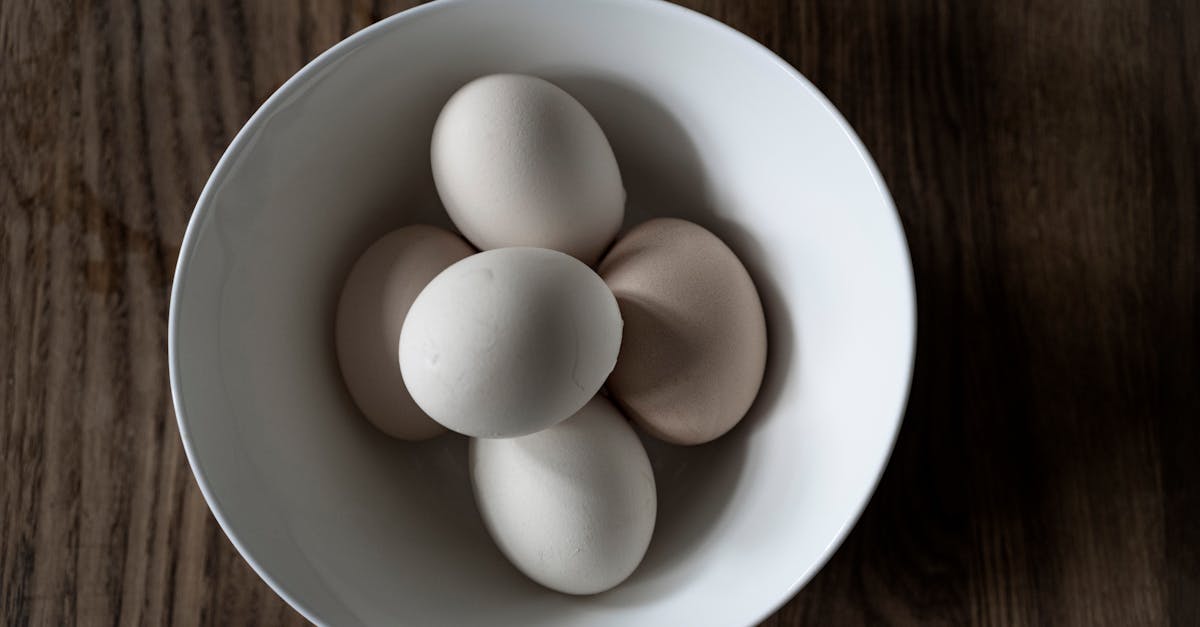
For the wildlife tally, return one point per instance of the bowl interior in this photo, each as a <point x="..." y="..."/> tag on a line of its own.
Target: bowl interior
<point x="354" y="528"/>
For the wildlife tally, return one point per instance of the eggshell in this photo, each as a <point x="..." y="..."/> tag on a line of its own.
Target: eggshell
<point x="519" y="162"/>
<point x="509" y="341"/>
<point x="375" y="299"/>
<point x="695" y="340"/>
<point x="573" y="506"/>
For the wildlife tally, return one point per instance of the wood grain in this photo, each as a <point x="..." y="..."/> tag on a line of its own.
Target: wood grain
<point x="1044" y="158"/>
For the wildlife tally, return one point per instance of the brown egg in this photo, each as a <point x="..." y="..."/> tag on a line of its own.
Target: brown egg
<point x="375" y="299"/>
<point x="695" y="341"/>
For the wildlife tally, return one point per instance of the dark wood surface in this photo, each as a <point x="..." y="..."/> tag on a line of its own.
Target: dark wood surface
<point x="1044" y="157"/>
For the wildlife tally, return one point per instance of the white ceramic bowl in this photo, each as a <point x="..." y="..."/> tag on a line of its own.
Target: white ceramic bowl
<point x="355" y="529"/>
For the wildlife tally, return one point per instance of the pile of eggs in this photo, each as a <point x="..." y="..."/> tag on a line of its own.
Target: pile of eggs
<point x="510" y="337"/>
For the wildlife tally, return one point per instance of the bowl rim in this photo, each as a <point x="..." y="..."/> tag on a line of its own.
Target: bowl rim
<point x="297" y="81"/>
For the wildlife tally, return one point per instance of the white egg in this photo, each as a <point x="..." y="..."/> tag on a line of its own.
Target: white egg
<point x="572" y="507"/>
<point x="519" y="162"/>
<point x="509" y="341"/>
<point x="375" y="299"/>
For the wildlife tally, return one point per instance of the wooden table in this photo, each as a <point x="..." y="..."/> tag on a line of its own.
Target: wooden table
<point x="1044" y="158"/>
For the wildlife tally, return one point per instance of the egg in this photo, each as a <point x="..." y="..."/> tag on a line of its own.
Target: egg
<point x="695" y="340"/>
<point x="519" y="162"/>
<point x="375" y="299"/>
<point x="573" y="506"/>
<point x="509" y="341"/>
